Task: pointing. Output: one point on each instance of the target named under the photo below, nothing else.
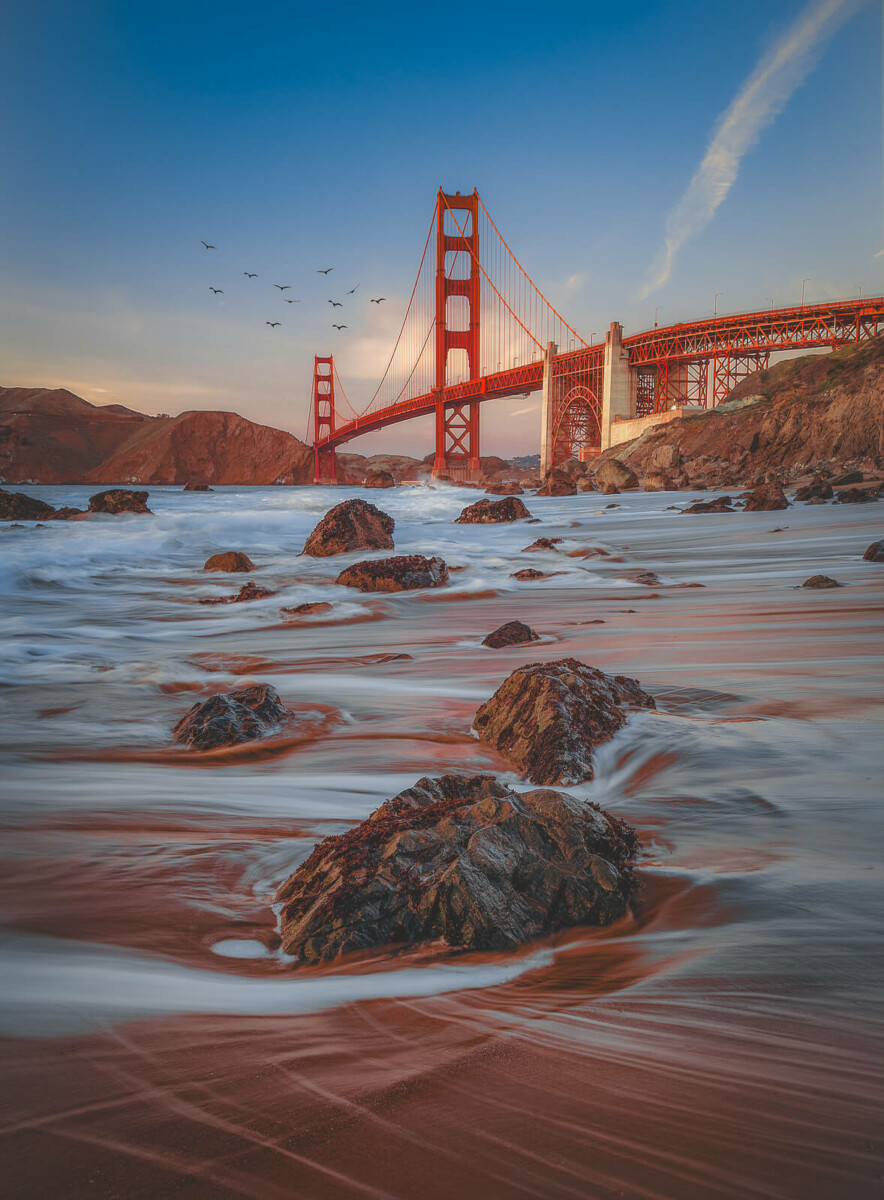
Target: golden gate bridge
(478, 328)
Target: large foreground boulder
(401, 574)
(16, 506)
(559, 483)
(547, 717)
(612, 470)
(119, 500)
(487, 512)
(230, 718)
(350, 525)
(231, 561)
(513, 633)
(463, 860)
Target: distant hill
(52, 436)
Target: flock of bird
(287, 287)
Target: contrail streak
(765, 93)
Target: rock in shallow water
(230, 718)
(16, 506)
(547, 717)
(350, 525)
(487, 512)
(875, 552)
(119, 500)
(231, 561)
(513, 633)
(821, 581)
(402, 574)
(461, 859)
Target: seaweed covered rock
(16, 506)
(464, 860)
(513, 633)
(231, 561)
(119, 500)
(350, 525)
(401, 574)
(487, 512)
(547, 717)
(231, 717)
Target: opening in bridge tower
(457, 327)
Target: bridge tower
(324, 463)
(457, 423)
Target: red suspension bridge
(477, 328)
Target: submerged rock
(68, 514)
(231, 561)
(119, 500)
(542, 543)
(821, 581)
(547, 717)
(312, 608)
(875, 552)
(16, 506)
(513, 633)
(528, 573)
(721, 505)
(767, 497)
(230, 718)
(350, 525)
(197, 487)
(464, 860)
(248, 591)
(486, 512)
(405, 573)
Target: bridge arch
(578, 422)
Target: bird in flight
(250, 275)
(291, 301)
(326, 271)
(339, 326)
(217, 291)
(380, 300)
(273, 324)
(336, 304)
(207, 246)
(352, 291)
(283, 287)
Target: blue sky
(295, 137)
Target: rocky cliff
(52, 436)
(799, 415)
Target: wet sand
(721, 1042)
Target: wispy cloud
(781, 70)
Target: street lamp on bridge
(803, 283)
(715, 303)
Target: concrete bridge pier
(618, 389)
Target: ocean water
(721, 1041)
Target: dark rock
(821, 581)
(379, 479)
(405, 573)
(119, 500)
(513, 633)
(721, 505)
(612, 470)
(547, 717)
(558, 482)
(67, 514)
(855, 495)
(230, 718)
(350, 525)
(848, 477)
(875, 552)
(486, 512)
(528, 573)
(610, 489)
(248, 591)
(817, 489)
(766, 498)
(507, 487)
(542, 544)
(232, 561)
(16, 506)
(309, 609)
(463, 860)
(197, 487)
